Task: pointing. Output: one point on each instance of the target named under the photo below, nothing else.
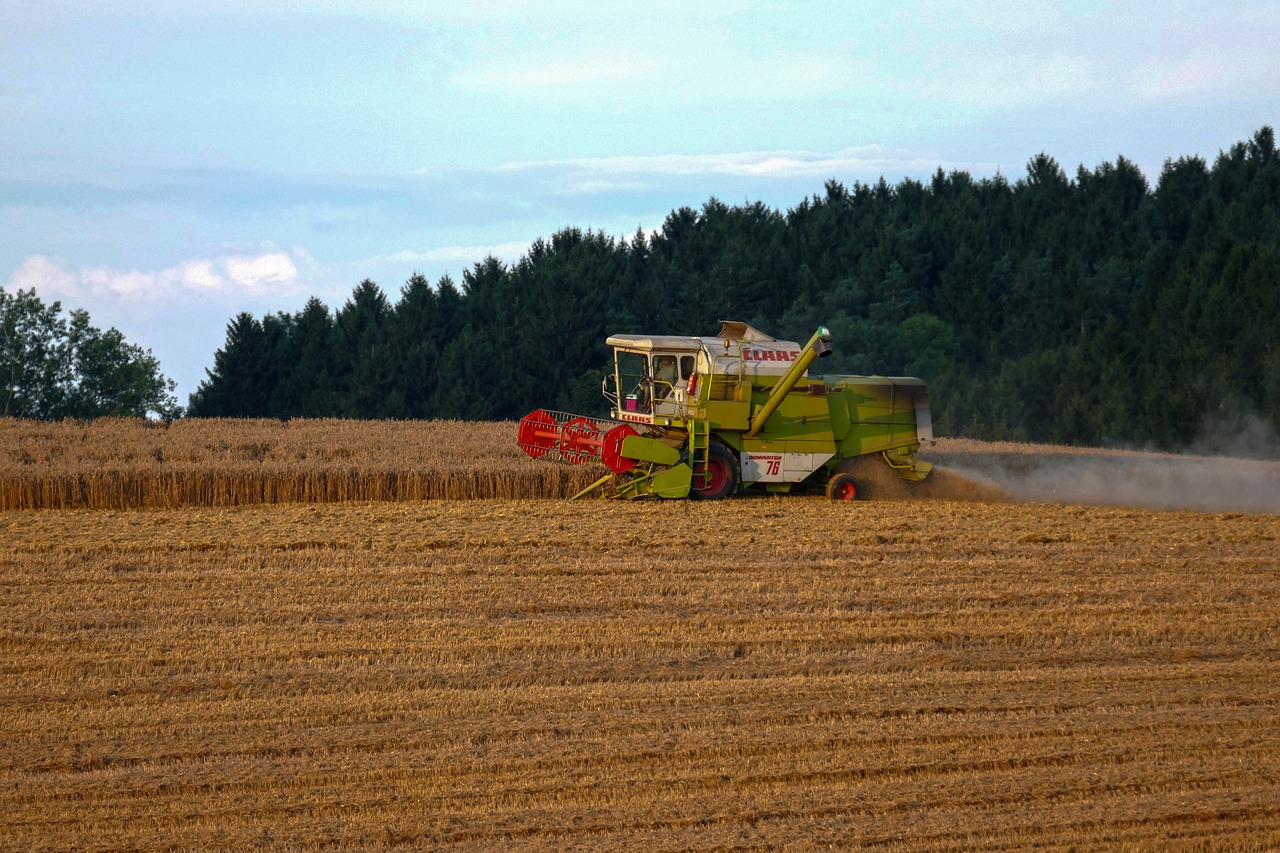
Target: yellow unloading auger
(707, 416)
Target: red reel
(611, 449)
(538, 433)
(579, 440)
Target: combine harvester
(706, 417)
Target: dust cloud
(1114, 477)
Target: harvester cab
(707, 416)
(656, 383)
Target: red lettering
(769, 355)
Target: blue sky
(166, 167)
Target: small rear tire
(842, 487)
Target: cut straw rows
(772, 674)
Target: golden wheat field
(758, 673)
(132, 463)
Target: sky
(166, 166)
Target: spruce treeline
(1089, 310)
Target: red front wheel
(719, 477)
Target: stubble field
(756, 673)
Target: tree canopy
(1088, 309)
(52, 369)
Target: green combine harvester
(707, 417)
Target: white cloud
(604, 187)
(509, 252)
(103, 281)
(273, 272)
(201, 276)
(267, 274)
(773, 164)
(49, 277)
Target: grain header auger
(705, 417)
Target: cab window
(633, 381)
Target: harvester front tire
(842, 487)
(719, 478)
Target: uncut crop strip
(776, 673)
(124, 464)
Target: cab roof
(650, 343)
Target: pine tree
(368, 368)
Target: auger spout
(819, 346)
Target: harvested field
(753, 673)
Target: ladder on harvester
(699, 446)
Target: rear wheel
(719, 477)
(842, 487)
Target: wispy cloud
(868, 159)
(508, 252)
(268, 274)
